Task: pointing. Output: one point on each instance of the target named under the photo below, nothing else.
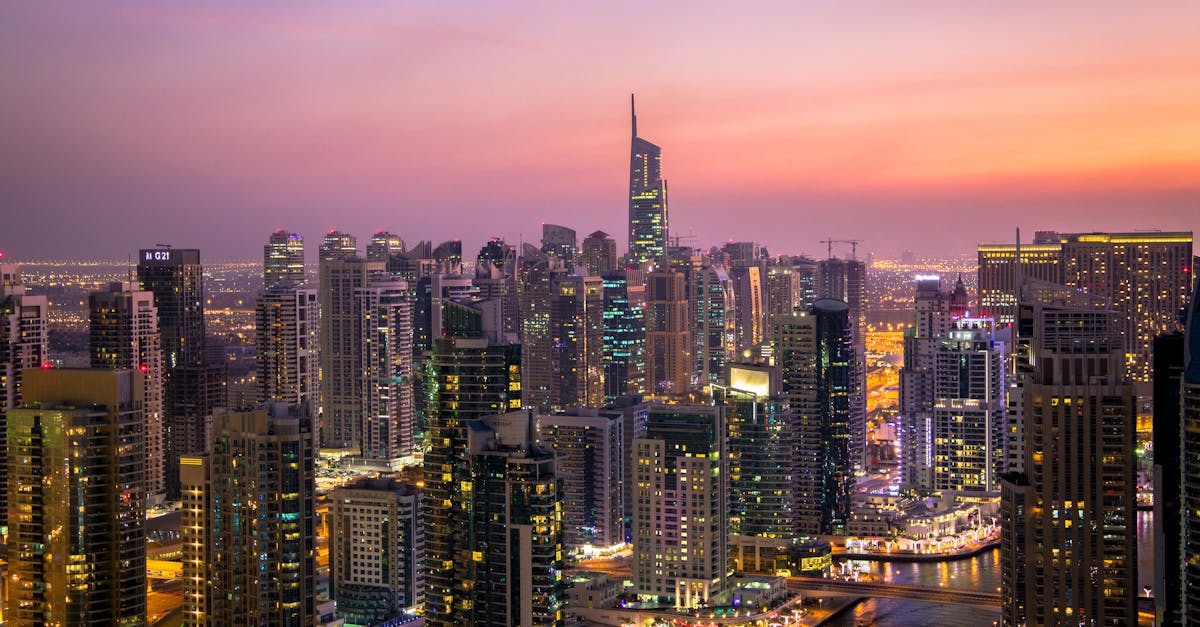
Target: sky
(929, 126)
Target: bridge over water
(952, 596)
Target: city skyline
(805, 121)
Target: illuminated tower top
(647, 199)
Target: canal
(978, 573)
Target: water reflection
(978, 573)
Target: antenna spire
(633, 115)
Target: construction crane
(852, 242)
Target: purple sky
(929, 126)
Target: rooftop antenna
(633, 115)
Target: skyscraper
(932, 320)
(337, 245)
(599, 253)
(560, 241)
(286, 338)
(577, 341)
(846, 280)
(998, 274)
(813, 352)
(176, 278)
(383, 245)
(647, 199)
(968, 408)
(750, 312)
(376, 550)
(514, 530)
(1190, 496)
(681, 506)
(283, 260)
(77, 540)
(761, 450)
(24, 344)
(387, 432)
(473, 378)
(668, 334)
(1073, 504)
(1168, 479)
(624, 335)
(715, 326)
(193, 386)
(589, 444)
(249, 523)
(123, 332)
(341, 347)
(535, 281)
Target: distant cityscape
(553, 434)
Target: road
(164, 597)
(951, 596)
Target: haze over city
(929, 126)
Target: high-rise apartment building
(813, 352)
(762, 452)
(932, 321)
(123, 335)
(24, 344)
(193, 386)
(337, 245)
(383, 245)
(1076, 493)
(376, 550)
(681, 506)
(846, 280)
(624, 334)
(283, 260)
(647, 200)
(1168, 479)
(249, 523)
(286, 338)
(387, 432)
(513, 533)
(589, 444)
(750, 310)
(561, 242)
(599, 253)
(714, 310)
(668, 334)
(1145, 276)
(473, 378)
(341, 347)
(176, 278)
(1189, 502)
(535, 282)
(577, 341)
(969, 416)
(77, 486)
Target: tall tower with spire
(647, 199)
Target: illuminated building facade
(577, 341)
(535, 283)
(932, 320)
(589, 444)
(1190, 450)
(750, 313)
(341, 347)
(647, 200)
(561, 242)
(24, 344)
(123, 335)
(968, 408)
(846, 280)
(376, 550)
(599, 253)
(1077, 488)
(383, 245)
(286, 338)
(762, 452)
(337, 245)
(387, 432)
(472, 378)
(283, 260)
(249, 523)
(668, 334)
(77, 484)
(624, 334)
(998, 274)
(715, 312)
(681, 506)
(514, 530)
(813, 352)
